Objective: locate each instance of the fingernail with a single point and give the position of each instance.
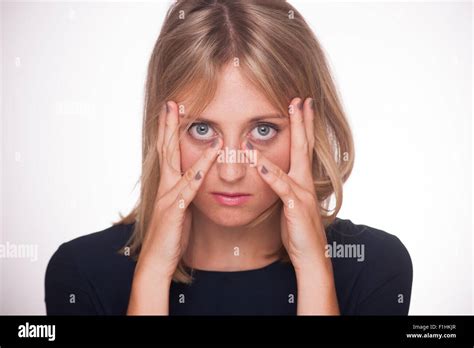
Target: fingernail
(300, 105)
(264, 170)
(167, 108)
(311, 104)
(249, 145)
(198, 175)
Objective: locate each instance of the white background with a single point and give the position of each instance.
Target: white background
(71, 107)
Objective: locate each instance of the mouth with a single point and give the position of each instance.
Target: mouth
(231, 198)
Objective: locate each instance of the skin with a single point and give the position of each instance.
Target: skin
(283, 173)
(219, 229)
(286, 156)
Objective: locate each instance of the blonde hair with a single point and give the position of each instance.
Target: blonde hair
(278, 53)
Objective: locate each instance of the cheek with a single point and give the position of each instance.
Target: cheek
(189, 154)
(279, 153)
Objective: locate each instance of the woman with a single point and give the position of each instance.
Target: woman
(244, 144)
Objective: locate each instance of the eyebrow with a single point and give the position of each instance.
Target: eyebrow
(253, 119)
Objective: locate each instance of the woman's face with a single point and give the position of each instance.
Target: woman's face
(230, 116)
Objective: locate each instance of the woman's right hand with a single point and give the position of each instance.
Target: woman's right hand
(168, 233)
(167, 236)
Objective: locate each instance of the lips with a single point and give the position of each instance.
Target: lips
(236, 194)
(231, 198)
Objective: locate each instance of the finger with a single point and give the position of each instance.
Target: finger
(185, 190)
(308, 112)
(171, 151)
(277, 179)
(175, 153)
(161, 130)
(299, 166)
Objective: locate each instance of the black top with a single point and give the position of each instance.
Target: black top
(372, 272)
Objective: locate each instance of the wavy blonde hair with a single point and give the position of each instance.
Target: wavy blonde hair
(278, 53)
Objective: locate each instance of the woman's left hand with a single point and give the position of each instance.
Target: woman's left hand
(302, 230)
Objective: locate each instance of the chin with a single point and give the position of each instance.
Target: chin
(227, 216)
(234, 218)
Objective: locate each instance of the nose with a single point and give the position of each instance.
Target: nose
(231, 165)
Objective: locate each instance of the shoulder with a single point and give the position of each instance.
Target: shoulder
(95, 248)
(373, 268)
(112, 237)
(377, 245)
(93, 269)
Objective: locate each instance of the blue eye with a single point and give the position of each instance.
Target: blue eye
(200, 131)
(260, 133)
(264, 132)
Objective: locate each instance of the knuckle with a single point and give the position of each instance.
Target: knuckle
(179, 200)
(286, 189)
(189, 174)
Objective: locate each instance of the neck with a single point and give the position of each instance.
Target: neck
(223, 248)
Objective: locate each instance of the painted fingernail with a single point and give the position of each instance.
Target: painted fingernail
(300, 105)
(198, 175)
(249, 145)
(264, 170)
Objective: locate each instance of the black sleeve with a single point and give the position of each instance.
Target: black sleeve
(67, 291)
(386, 281)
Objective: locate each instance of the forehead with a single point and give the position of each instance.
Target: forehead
(236, 99)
